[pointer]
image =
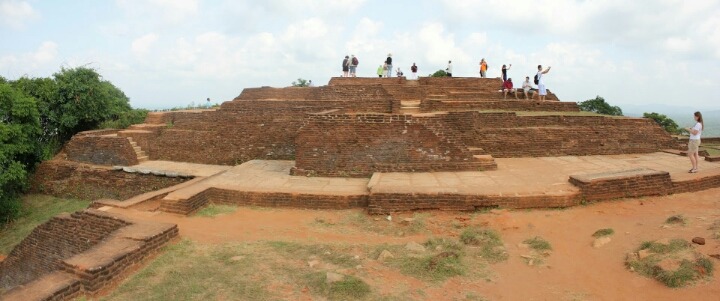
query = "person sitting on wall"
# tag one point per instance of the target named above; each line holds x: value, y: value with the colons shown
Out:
x: 508, y: 88
x: 528, y: 89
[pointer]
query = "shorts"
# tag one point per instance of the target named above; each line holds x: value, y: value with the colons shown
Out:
x: 693, y: 145
x: 346, y: 69
x: 352, y: 69
x: 542, y: 90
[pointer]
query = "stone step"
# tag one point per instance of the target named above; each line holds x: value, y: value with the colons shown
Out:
x: 143, y: 158
x: 486, y: 158
x: 476, y: 150
x: 136, y: 148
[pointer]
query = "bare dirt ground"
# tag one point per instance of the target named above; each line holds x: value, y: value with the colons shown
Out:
x: 575, y: 270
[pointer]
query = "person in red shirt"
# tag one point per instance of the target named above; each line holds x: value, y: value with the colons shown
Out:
x: 508, y: 88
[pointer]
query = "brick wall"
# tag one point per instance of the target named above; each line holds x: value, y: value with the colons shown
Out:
x: 360, y: 144
x: 623, y: 184
x: 70, y: 179
x: 59, y: 238
x: 100, y: 150
x: 383, y: 203
x: 431, y: 105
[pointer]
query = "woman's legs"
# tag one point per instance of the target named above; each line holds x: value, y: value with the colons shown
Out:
x: 697, y: 160
x: 693, y: 160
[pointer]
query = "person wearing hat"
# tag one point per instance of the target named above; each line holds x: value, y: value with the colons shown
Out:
x: 346, y: 66
x: 388, y: 62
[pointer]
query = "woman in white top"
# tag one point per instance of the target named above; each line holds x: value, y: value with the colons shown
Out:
x: 694, y: 141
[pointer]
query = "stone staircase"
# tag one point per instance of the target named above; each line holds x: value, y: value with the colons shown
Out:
x: 141, y: 156
x: 410, y: 106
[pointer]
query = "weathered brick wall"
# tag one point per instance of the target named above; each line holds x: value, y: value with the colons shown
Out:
x: 383, y: 203
x: 70, y: 179
x: 360, y: 144
x: 432, y: 105
x: 342, y: 81
x: 372, y: 98
x: 101, y: 150
x: 623, y: 184
x: 61, y: 237
x: 510, y: 135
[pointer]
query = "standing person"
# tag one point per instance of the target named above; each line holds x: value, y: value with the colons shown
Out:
x: 353, y: 65
x: 388, y: 62
x: 448, y: 70
x: 381, y: 70
x: 483, y: 68
x: 310, y: 84
x: 346, y: 66
x: 504, y: 72
x: 413, y: 70
x: 694, y: 141
x: 208, y: 103
x: 542, y: 91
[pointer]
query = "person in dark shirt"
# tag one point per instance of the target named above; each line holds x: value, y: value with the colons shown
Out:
x: 413, y: 70
x: 504, y: 72
x: 388, y: 62
x: 346, y: 66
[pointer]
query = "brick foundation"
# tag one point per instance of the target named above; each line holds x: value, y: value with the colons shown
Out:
x: 101, y: 150
x: 623, y: 184
x: 383, y: 203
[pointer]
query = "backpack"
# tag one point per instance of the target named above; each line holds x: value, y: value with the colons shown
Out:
x: 355, y: 61
x: 537, y: 80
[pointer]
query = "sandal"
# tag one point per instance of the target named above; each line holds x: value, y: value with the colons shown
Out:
x: 693, y: 170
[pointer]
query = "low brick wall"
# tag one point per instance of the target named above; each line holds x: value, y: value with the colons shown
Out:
x: 431, y: 105
x: 81, y: 253
x: 623, y: 184
x: 61, y: 237
x: 701, y: 183
x: 101, y: 150
x: 383, y: 203
x: 263, y: 199
x: 71, y: 179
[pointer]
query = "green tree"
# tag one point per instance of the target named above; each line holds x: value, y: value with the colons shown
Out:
x: 301, y: 83
x: 439, y: 73
x: 598, y: 105
x: 19, y: 132
x: 665, y: 122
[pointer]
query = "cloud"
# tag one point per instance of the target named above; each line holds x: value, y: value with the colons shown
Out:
x: 39, y: 60
x: 141, y: 45
x: 172, y: 11
x: 15, y: 14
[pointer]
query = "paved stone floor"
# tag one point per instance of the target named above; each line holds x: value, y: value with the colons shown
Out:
x: 514, y: 176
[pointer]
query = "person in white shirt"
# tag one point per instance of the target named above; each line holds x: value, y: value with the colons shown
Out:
x: 527, y: 88
x: 540, y: 83
x: 694, y: 141
x: 448, y: 70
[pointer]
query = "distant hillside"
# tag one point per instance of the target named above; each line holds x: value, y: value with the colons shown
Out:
x: 681, y: 115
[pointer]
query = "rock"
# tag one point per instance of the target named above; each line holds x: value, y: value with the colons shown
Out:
x: 356, y: 257
x: 523, y: 246
x: 389, y: 218
x: 526, y: 256
x: 716, y: 256
x: 642, y: 254
x: 237, y: 258
x: 632, y: 256
x: 376, y: 219
x: 384, y: 255
x: 668, y: 264
x: 359, y: 266
x: 144, y: 171
x: 313, y: 263
x: 128, y: 169
x: 698, y: 240
x: 601, y: 241
x: 407, y: 220
x: 171, y: 175
x: 415, y: 247
x: 332, y: 277
x: 117, y: 168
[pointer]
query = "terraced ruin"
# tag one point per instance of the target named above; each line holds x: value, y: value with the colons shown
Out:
x: 383, y: 145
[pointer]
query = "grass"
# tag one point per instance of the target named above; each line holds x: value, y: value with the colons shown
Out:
x: 212, y: 210
x: 35, y: 210
x: 489, y: 242
x: 350, y: 288
x: 538, y: 243
x: 396, y: 227
x: 603, y: 232
x: 715, y: 227
x: 677, y: 219
x: 692, y: 266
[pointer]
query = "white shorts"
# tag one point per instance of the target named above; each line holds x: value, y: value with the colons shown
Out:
x: 542, y: 90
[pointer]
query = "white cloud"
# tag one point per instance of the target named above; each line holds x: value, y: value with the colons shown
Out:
x: 39, y: 60
x: 16, y: 14
x: 141, y: 45
x: 173, y: 11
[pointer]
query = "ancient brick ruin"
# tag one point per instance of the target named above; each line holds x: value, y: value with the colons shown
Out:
x: 383, y: 144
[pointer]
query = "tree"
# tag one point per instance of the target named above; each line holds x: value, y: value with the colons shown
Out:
x: 439, y: 73
x: 19, y: 132
x: 665, y: 122
x: 598, y: 105
x: 301, y: 83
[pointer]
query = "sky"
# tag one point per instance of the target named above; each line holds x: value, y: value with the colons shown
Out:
x: 170, y: 53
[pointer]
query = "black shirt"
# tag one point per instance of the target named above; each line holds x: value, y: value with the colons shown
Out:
x: 388, y: 61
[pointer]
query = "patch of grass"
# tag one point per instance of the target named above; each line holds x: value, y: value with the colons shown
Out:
x: 489, y: 242
x: 397, y: 227
x: 676, y: 220
x: 434, y: 267
x: 603, y: 232
x: 678, y: 250
x: 538, y: 243
x: 35, y: 210
x: 212, y: 210
x: 350, y: 288
x: 336, y: 255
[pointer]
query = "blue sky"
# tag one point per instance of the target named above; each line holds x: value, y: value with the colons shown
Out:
x: 167, y: 53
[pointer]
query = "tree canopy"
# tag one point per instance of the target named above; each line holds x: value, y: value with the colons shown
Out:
x: 301, y: 82
x: 598, y: 105
x: 665, y: 122
x: 439, y: 73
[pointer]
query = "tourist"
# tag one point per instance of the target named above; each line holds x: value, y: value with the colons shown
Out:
x: 540, y: 83
x: 527, y: 87
x: 207, y: 104
x: 388, y: 62
x: 483, y: 68
x: 448, y: 70
x: 504, y: 71
x: 694, y: 141
x: 310, y: 83
x: 346, y: 66
x: 508, y: 88
x: 353, y: 65
x: 381, y: 70
x: 399, y: 72
x: 413, y: 71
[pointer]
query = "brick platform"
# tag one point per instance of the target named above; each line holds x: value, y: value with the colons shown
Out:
x: 79, y: 253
